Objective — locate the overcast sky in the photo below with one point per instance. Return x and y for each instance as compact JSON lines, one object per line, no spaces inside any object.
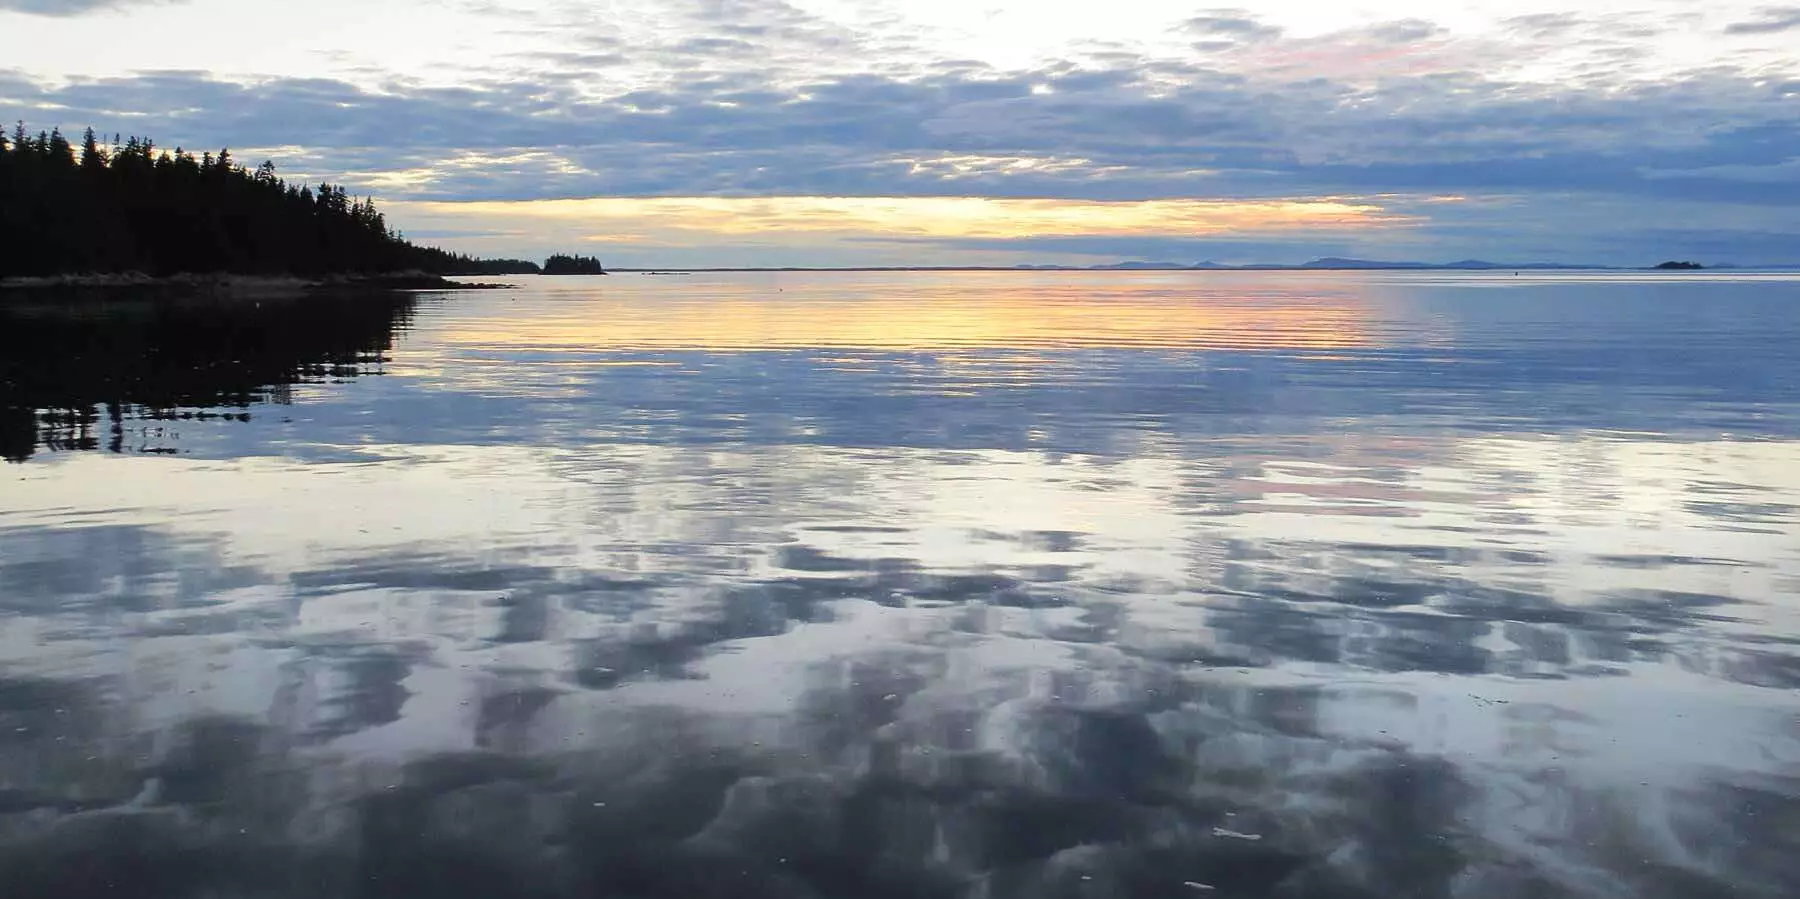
{"x":795,"y":132}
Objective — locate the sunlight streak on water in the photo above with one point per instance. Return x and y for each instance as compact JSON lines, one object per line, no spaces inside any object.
{"x":965,"y":311}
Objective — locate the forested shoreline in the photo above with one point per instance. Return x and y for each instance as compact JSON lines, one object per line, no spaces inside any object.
{"x":135,"y":207}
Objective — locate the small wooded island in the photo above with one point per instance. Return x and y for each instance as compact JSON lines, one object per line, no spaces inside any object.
{"x":132,"y":214}
{"x":573,"y":265}
{"x":1672,"y":265}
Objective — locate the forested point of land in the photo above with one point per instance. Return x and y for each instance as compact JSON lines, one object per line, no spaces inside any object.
{"x":133,"y":207}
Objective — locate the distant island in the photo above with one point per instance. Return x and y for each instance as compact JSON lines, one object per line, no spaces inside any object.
{"x":1681,"y":266}
{"x":573,"y":265}
{"x":119,"y":215}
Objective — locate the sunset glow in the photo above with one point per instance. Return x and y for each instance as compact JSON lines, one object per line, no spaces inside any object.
{"x":675,"y":219}
{"x":992,"y":311}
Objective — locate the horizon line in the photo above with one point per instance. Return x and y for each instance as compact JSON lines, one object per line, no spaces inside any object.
{"x":1111,"y":268}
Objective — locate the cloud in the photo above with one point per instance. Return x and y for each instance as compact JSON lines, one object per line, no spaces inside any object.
{"x":66,"y":8}
{"x":1094,"y":134}
{"x":1229,"y":24}
{"x":1405,"y":31}
{"x":670,"y":41}
{"x":1543,"y":25}
{"x":762,"y":99}
{"x":1776,"y":173}
{"x":1773,"y":19}
{"x":1664,"y":238}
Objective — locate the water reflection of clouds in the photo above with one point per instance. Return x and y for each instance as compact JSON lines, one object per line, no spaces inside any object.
{"x":1059,"y":625}
{"x":1071,"y":628}
{"x":1003,"y":528}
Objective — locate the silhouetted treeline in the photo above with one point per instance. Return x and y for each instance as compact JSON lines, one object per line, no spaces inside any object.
{"x":468,"y":266}
{"x":572,"y":265}
{"x":134,"y":207}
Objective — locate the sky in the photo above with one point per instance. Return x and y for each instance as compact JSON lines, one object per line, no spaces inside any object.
{"x":689,"y":133}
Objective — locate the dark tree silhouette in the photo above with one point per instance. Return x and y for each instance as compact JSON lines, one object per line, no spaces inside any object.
{"x":135,"y":208}
{"x":573,"y":265}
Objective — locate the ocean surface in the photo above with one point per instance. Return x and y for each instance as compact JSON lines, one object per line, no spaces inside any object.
{"x":971,"y":585}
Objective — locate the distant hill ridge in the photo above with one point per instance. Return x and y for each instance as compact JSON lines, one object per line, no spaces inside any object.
{"x":1342,"y":263}
{"x":1329,"y":263}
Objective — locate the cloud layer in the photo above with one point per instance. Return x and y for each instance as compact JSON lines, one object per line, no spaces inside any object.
{"x":70,"y":7}
{"x":1528,"y":119}
{"x":1770,"y":20}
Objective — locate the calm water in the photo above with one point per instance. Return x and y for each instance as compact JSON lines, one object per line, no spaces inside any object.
{"x":969,"y":585}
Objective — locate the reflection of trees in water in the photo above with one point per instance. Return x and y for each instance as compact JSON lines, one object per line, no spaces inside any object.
{"x":123,"y":374}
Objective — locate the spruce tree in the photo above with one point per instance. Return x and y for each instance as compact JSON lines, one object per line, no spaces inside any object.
{"x":135,"y":208}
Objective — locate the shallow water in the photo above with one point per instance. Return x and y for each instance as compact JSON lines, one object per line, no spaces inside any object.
{"x":966,"y":585}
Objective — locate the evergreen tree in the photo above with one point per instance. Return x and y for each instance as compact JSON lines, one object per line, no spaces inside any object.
{"x":62,"y":154}
{"x":136,"y":208}
{"x":92,"y":157}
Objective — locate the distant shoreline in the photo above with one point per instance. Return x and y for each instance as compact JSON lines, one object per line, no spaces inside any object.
{"x":1104,"y":270}
{"x":276,"y":286}
{"x":1114,"y":269}
{"x":244,"y":286}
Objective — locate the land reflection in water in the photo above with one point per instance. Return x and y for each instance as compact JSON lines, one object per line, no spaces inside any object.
{"x":77,"y":372}
{"x":1481,"y":602}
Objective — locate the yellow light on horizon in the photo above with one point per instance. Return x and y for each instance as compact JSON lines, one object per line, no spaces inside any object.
{"x":936,"y":217}
{"x":993,"y":312}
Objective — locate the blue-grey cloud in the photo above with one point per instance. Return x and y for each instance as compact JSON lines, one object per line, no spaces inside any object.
{"x":1771,"y":20}
{"x":1741,"y":245}
{"x":1232,"y":24}
{"x":1543,"y":25}
{"x":64,"y":8}
{"x":1405,"y":31}
{"x":1100,"y":134}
